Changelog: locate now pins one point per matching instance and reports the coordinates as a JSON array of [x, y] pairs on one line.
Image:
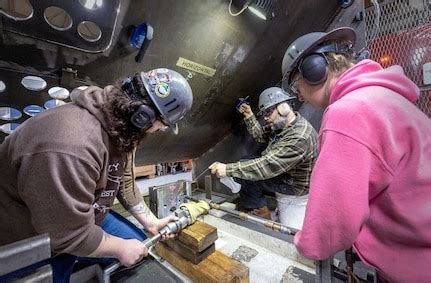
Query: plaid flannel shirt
[[290, 153]]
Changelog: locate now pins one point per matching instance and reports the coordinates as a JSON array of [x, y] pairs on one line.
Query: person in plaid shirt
[[284, 167]]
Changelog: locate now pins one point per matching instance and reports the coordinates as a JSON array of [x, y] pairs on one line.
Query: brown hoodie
[[60, 173]]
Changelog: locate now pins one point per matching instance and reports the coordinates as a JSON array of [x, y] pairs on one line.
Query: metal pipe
[[324, 271], [24, 253], [108, 271], [114, 266], [275, 226], [42, 274], [170, 228]]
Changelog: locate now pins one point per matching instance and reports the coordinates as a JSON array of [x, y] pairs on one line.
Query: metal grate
[[403, 38]]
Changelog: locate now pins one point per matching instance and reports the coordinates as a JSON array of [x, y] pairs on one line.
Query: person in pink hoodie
[[371, 185]]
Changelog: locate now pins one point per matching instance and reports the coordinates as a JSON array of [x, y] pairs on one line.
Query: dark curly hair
[[119, 110]]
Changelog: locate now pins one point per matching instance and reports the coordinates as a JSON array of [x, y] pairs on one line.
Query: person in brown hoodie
[[61, 170]]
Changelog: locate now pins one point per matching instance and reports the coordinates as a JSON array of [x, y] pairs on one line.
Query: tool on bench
[[187, 214], [275, 226], [240, 102]]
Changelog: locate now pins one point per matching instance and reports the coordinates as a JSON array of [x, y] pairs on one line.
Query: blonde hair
[[338, 63]]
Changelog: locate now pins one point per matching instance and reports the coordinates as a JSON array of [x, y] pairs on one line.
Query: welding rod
[[203, 172], [200, 175], [275, 226]]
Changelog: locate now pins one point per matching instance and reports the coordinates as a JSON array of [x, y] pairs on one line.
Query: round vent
[[89, 31], [2, 86], [33, 83], [19, 10], [58, 93], [58, 18], [9, 127], [53, 103], [9, 114], [33, 110]]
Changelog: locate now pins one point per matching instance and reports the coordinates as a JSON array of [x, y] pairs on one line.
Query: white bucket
[[291, 209]]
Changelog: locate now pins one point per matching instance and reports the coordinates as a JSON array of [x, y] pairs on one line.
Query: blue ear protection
[[144, 116], [314, 67]]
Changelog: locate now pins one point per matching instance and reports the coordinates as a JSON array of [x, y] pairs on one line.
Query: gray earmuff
[[144, 117], [314, 68]]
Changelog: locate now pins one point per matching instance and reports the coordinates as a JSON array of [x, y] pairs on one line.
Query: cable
[[376, 19], [427, 6], [236, 14]]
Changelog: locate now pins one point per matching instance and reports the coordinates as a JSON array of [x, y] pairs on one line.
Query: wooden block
[[189, 163], [217, 267], [188, 253], [145, 170], [198, 236]]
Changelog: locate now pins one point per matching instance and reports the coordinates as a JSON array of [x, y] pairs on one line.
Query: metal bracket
[[68, 77], [208, 187]]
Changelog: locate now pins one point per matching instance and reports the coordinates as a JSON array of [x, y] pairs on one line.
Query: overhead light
[[264, 9], [257, 13]]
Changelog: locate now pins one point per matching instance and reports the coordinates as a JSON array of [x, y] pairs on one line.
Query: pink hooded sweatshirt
[[371, 185]]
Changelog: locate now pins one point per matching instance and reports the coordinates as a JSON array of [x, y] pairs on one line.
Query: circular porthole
[[89, 31], [58, 92], [53, 103], [9, 127], [19, 10], [91, 4], [9, 114], [33, 110], [58, 18], [33, 83], [2, 86]]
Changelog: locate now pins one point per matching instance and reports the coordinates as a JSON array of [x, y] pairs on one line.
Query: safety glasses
[[293, 86], [267, 112]]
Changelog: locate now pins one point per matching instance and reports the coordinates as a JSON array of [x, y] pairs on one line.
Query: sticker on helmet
[[157, 76], [162, 70], [162, 90], [163, 77]]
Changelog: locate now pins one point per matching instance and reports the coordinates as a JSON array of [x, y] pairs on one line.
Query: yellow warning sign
[[195, 67]]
